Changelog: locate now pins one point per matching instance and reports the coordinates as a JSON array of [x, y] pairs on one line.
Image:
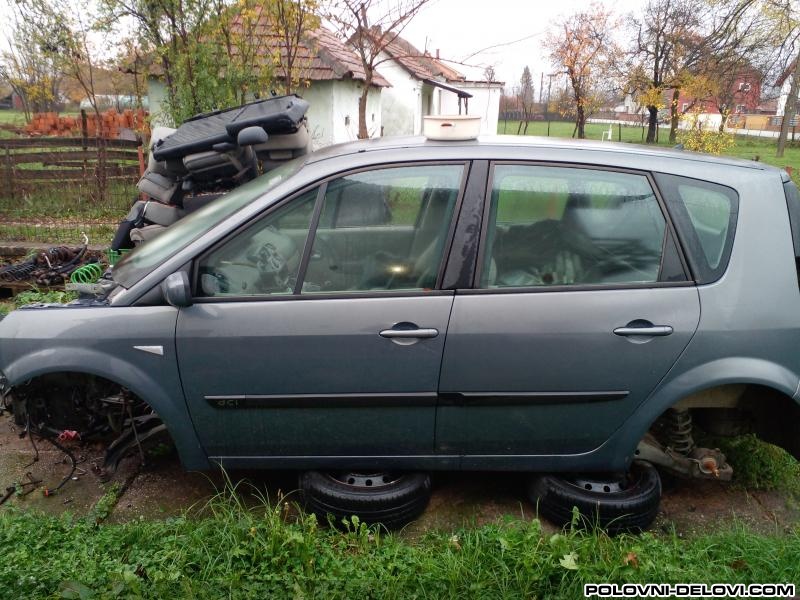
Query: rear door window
[[572, 226], [705, 216]]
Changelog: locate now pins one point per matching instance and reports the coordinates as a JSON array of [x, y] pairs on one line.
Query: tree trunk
[[723, 120], [790, 108], [363, 134], [652, 124], [673, 116], [580, 122]]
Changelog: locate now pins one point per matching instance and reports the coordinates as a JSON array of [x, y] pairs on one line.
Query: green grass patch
[[236, 552], [12, 117], [63, 233], [745, 147]]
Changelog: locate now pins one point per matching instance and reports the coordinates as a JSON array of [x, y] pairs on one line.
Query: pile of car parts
[[50, 267]]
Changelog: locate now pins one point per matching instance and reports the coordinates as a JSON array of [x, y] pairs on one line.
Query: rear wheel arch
[[735, 408]]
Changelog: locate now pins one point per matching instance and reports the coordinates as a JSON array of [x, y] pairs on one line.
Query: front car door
[[319, 329], [581, 305]]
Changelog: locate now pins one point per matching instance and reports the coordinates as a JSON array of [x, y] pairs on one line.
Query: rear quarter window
[[705, 215]]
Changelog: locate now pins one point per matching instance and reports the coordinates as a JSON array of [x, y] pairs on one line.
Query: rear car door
[[580, 306], [318, 330]]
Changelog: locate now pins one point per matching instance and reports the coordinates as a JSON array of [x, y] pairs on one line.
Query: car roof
[[527, 141]]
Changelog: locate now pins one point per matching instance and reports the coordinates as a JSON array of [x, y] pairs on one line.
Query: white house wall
[[320, 113], [156, 98], [401, 103], [485, 102]]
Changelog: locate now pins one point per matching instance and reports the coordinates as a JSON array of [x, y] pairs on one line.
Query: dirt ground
[[161, 488]]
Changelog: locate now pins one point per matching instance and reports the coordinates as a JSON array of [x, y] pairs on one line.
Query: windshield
[[146, 257]]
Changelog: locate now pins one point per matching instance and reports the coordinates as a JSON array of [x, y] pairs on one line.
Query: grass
[[746, 147], [12, 117], [237, 552]]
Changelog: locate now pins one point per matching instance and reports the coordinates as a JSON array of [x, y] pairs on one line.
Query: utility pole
[[541, 87]]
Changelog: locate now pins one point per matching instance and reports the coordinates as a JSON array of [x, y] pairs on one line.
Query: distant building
[[335, 80], [422, 84]]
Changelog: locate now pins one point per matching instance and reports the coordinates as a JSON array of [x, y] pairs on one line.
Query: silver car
[[375, 311]]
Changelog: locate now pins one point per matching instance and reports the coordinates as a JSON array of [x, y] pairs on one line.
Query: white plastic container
[[451, 127]]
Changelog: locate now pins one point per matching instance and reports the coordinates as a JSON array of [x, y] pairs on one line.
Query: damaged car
[[373, 312]]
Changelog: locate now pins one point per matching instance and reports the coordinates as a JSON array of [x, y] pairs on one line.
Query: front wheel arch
[[173, 413]]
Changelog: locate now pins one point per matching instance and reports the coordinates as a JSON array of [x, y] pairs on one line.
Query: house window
[[744, 87], [347, 120], [685, 107], [740, 108]]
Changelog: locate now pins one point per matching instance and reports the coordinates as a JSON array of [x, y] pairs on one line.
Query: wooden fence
[[30, 163], [55, 189]]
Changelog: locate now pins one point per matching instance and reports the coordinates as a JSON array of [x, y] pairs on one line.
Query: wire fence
[[54, 190]]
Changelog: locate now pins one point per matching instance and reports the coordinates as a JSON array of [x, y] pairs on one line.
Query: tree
[[370, 26], [665, 49], [31, 73], [290, 20], [581, 45], [784, 19], [210, 53], [526, 99], [64, 37]]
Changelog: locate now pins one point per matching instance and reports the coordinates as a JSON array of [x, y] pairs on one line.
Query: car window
[[135, 265], [705, 216], [264, 259], [383, 229], [570, 226]]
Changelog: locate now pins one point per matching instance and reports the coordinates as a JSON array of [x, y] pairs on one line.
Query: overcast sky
[[459, 28]]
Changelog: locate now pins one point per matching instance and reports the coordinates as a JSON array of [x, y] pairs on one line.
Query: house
[[331, 79], [743, 98], [422, 85]]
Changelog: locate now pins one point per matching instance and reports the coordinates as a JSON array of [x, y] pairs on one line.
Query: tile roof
[[420, 64], [321, 56]]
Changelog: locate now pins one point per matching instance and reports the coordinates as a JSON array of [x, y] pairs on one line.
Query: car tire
[[392, 500], [628, 503]]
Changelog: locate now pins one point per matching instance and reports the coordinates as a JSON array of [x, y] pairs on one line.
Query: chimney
[[437, 54]]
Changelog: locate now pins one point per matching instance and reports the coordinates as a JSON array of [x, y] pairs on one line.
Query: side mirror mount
[[176, 290], [251, 136]]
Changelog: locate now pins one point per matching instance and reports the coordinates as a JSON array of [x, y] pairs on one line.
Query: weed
[[758, 465], [268, 552], [36, 296], [103, 507]]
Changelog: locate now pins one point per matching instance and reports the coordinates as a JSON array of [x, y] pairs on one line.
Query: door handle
[[653, 330], [409, 333]]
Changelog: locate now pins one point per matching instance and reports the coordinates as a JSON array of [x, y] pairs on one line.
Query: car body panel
[[312, 376], [95, 340], [543, 372], [747, 333]]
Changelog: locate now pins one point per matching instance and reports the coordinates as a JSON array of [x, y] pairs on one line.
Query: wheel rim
[[364, 480], [606, 485]]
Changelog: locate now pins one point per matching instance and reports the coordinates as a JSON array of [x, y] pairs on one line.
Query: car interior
[[370, 237]]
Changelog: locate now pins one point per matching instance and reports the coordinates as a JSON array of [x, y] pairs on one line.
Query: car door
[[581, 305], [319, 329]]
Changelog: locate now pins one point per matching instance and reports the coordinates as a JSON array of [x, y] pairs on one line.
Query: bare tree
[[665, 48], [371, 26], [581, 45], [31, 73], [784, 19]]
